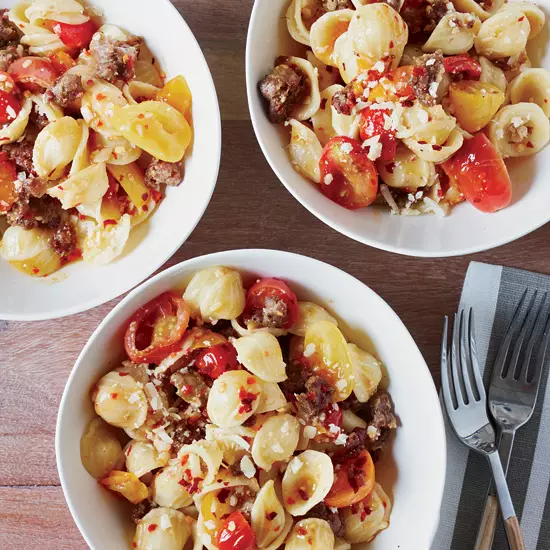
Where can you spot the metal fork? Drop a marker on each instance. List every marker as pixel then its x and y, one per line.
pixel 513 394
pixel 466 405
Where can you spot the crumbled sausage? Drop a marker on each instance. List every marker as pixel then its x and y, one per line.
pixel 423 18
pixel 8 31
pixel 35 187
pixel 191 427
pixel 274 314
pixel 426 76
pixel 30 212
pixel 344 100
pixel 315 400
pixel 9 55
pixel 21 153
pixel 284 87
pixel 191 386
pixel 160 172
pixel 297 376
pixel 142 509
pixel 245 500
pixel 395 4
pixel 67 89
pixel 333 5
pixel 64 240
pixel 38 119
pixel 115 59
pixel 322 511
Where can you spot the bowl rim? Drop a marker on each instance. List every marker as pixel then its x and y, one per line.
pixel 221 258
pixel 215 153
pixel 251 89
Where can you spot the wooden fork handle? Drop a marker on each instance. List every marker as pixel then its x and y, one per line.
pixel 515 538
pixel 488 525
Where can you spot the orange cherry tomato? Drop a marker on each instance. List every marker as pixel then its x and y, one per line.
pixel 156 329
pixel 8 175
pixel 236 534
pixel 479 172
pixel 348 176
pixel 373 122
pixel 354 481
pixel 62 62
pixel 33 73
pixel 74 36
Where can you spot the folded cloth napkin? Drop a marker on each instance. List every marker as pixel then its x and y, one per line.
pixel 494 292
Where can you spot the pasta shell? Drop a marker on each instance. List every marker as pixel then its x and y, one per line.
pixel 310 104
pixel 120 401
pixel 454 34
pixel 307 481
pixel 327 74
pixel 436 153
pixel 261 354
pixel 502 35
pixel 64 11
pixel 216 293
pixel 305 151
pixel 268 516
pixel 210 456
pixel 483 10
pixel 350 63
pixel 407 170
pixel 310 314
pixel 162 528
pixel 101 245
pixel 141 458
pixel 492 74
pixel 100 450
pixel 430 124
pixel 367 372
pixel 233 442
pixel 532 86
pixel 233 399
pixel 166 489
pixel 276 440
pixel 326 30
pixel 271 398
pixel 311 534
pixel 533 13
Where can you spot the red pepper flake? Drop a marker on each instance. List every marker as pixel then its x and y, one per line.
pixel 123 373
pixel 35 270
pixel 101 97
pixel 270 516
pixel 436 147
pixel 114 395
pixel 303 494
pixel 134 544
pixel 109 222
pixel 141 116
pixel 90 82
pixel 147 126
pixel 115 156
pixel 60 187
pixel 247 398
pixel 384 504
pixel 145 197
pixel 530 145
pixel 152 527
pixel 184 459
pixel 422 142
pixel 129 450
pixel 156 195
pixel 390 167
pixel 223 495
pixel 187 390
pixel 290 501
pixel 521 18
pixel 391 44
pixel 81 217
pixel 99 123
pixel 250 380
pixel 302 531
pixel 366 512
pixel 277 528
pixel 145 208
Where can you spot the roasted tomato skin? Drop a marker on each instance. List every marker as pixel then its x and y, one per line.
pixel 216 360
pixel 156 329
pixel 35 74
pixel 271 288
pixel 373 122
pixel 463 64
pixel 74 36
pixel 479 172
pixel 343 493
pixel 348 177
pixel 236 534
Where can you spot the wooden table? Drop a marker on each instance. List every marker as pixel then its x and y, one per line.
pixel 250 208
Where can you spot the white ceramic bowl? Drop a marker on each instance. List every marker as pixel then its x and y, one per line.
pixel 464 231
pixel 413 472
pixel 81 286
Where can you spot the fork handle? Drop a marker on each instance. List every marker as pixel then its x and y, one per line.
pixel 511 524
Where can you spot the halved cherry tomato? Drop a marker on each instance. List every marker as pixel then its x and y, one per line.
pixel 394 86
pixel 273 298
pixel 8 175
pixel 354 481
pixel 156 329
pixel 33 73
pixel 373 123
pixel 74 36
pixel 348 176
pixel 216 360
pixel 236 534
pixel 463 63
pixel 62 62
pixel 7 83
pixel 9 107
pixel 478 170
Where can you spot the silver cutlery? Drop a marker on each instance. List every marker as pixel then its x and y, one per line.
pixel 466 405
pixel 513 392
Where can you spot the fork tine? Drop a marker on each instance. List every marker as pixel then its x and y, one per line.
pixel 541 355
pixel 464 355
pixel 511 372
pixel 531 344
pixel 480 386
pixel 500 361
pixel 455 362
pixel 445 382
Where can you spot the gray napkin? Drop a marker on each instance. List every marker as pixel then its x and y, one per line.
pixel 494 292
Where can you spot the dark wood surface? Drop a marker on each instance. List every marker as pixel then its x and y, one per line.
pixel 250 209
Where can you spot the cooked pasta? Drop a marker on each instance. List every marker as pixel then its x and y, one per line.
pixel 396 119
pixel 226 445
pixel 80 98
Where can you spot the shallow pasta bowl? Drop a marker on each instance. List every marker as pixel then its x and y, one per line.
pixel 412 472
pixel 81 286
pixel 465 230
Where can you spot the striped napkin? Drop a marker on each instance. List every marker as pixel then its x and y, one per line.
pixel 494 292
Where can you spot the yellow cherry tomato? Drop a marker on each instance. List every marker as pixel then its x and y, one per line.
pixel 176 92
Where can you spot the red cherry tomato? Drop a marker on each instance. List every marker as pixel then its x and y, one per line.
pixel 236 534
pixel 33 73
pixel 74 36
pixel 348 176
pixel 215 360
pixel 7 83
pixel 9 107
pixel 272 298
pixel 8 175
pixel 463 63
pixel 156 329
pixel 354 481
pixel 373 122
pixel 479 172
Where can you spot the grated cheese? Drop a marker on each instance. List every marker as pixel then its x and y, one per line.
pixel 310 432
pixel 310 348
pixel 248 467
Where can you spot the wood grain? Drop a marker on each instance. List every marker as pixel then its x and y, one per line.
pixel 36 358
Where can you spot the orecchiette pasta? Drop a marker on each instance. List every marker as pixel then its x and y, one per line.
pixel 325 31
pixel 367 372
pixel 483 10
pixel 533 13
pixel 491 74
pixel 162 528
pixel 276 440
pixel 407 170
pixel 142 457
pixel 311 102
pixel 502 35
pixel 167 489
pixel 431 152
pixel 268 516
pixel 310 314
pixel 100 450
pixel 454 34
pixel 305 151
pixel 532 86
pixel 271 398
pixel 261 354
pixel 64 11
pixel 327 75
pixel 311 534
pixel 209 456
pixel 520 130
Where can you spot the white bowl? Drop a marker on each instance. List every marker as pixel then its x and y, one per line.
pixel 464 231
pixel 81 286
pixel 413 472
